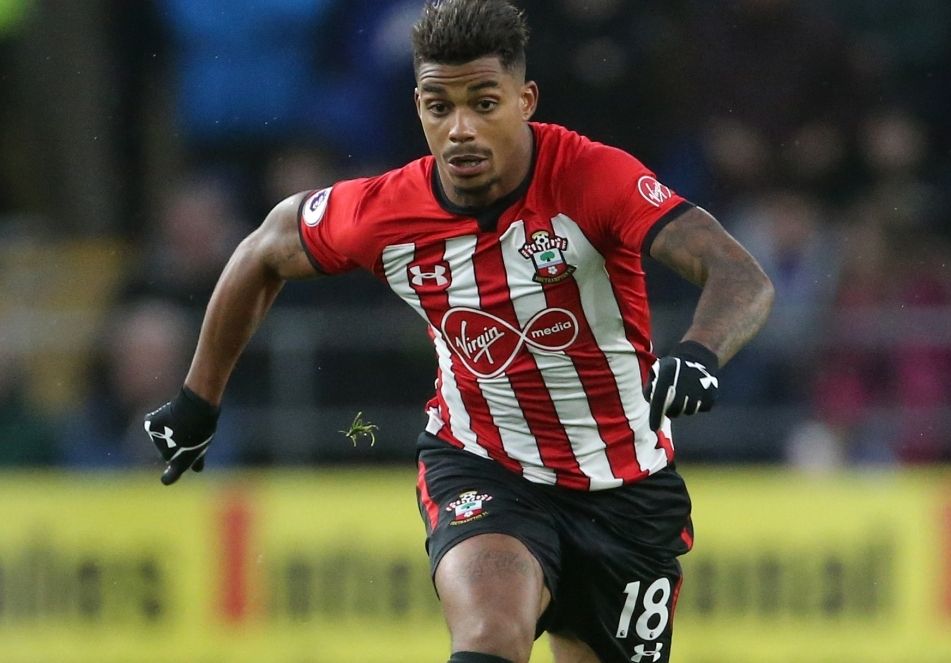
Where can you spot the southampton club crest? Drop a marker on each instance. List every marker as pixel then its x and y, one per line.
pixel 546 253
pixel 469 506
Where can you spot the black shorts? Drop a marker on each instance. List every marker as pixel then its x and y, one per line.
pixel 609 557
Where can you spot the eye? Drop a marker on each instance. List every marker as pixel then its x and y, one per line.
pixel 437 108
pixel 486 105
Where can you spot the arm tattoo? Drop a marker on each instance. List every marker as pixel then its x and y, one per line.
pixel 495 563
pixel 737 295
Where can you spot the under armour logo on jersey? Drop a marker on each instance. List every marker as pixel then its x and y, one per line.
pixel 708 380
pixel 429 276
pixel 641 653
pixel 166 435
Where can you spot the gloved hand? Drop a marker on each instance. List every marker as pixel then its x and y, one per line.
pixel 182 430
pixel 683 382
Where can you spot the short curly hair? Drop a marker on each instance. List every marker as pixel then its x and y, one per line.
pixel 459 31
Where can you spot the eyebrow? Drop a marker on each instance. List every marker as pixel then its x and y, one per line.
pixel 435 88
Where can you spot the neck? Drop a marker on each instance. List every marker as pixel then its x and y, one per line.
pixel 502 185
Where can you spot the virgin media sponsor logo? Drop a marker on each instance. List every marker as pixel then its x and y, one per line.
pixel 487 344
pixel 653 191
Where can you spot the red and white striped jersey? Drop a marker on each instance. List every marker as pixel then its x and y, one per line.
pixel 537 307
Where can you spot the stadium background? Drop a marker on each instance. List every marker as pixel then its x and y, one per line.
pixel 142 139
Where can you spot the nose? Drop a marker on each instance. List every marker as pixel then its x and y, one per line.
pixel 462 129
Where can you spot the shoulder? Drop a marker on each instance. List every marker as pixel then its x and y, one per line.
pixel 579 171
pixel 556 145
pixel 576 162
pixel 363 198
pixel 605 189
pixel 352 221
pixel 562 146
pixel 402 187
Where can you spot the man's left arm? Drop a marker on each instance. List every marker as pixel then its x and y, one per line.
pixel 737 295
pixel 735 300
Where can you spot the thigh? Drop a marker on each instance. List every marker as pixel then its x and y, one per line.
pixel 569 649
pixel 493 548
pixel 493 593
pixel 492 570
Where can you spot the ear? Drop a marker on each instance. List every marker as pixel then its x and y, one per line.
pixel 528 99
pixel 419 109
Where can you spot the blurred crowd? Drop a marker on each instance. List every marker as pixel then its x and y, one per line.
pixel 816 132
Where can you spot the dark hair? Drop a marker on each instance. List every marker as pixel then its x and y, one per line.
pixel 459 31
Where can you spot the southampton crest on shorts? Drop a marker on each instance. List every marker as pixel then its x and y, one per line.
pixel 546 253
pixel 468 507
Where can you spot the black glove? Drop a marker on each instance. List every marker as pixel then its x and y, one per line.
pixel 683 382
pixel 182 430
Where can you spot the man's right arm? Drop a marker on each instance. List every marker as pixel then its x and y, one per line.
pixel 251 280
pixel 183 428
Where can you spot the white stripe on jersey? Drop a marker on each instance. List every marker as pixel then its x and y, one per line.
pixel 396 260
pixel 499 396
pixel 599 304
pixel 557 371
pixel 460 425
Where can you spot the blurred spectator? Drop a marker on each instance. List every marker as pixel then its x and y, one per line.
pixel 141 360
pixel 882 390
pixel 26 435
pixel 815 131
pixel 296 168
pixel 196 229
pixel 772 64
pixel 921 358
pixel 790 234
pixel 904 182
pixel 591 61
pixel 901 50
pixel 368 42
pixel 246 71
pixel 253 74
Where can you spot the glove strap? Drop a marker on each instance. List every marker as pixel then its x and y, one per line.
pixel 693 351
pixel 197 406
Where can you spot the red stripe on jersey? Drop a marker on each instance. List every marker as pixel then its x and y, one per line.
pixel 529 388
pixel 480 419
pixel 663 442
pixel 422 491
pixel 624 267
pixel 600 387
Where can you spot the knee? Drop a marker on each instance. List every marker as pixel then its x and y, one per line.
pixel 498 635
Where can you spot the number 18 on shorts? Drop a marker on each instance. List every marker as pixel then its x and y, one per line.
pixel 646 615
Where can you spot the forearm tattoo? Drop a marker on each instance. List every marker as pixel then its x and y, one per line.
pixel 737 295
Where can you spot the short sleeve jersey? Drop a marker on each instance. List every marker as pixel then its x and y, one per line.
pixel 537 307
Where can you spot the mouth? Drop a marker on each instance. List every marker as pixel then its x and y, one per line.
pixel 467 165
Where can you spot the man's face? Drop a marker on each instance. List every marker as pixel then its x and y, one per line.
pixel 474 116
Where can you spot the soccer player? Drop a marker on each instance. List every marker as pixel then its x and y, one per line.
pixel 546 471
